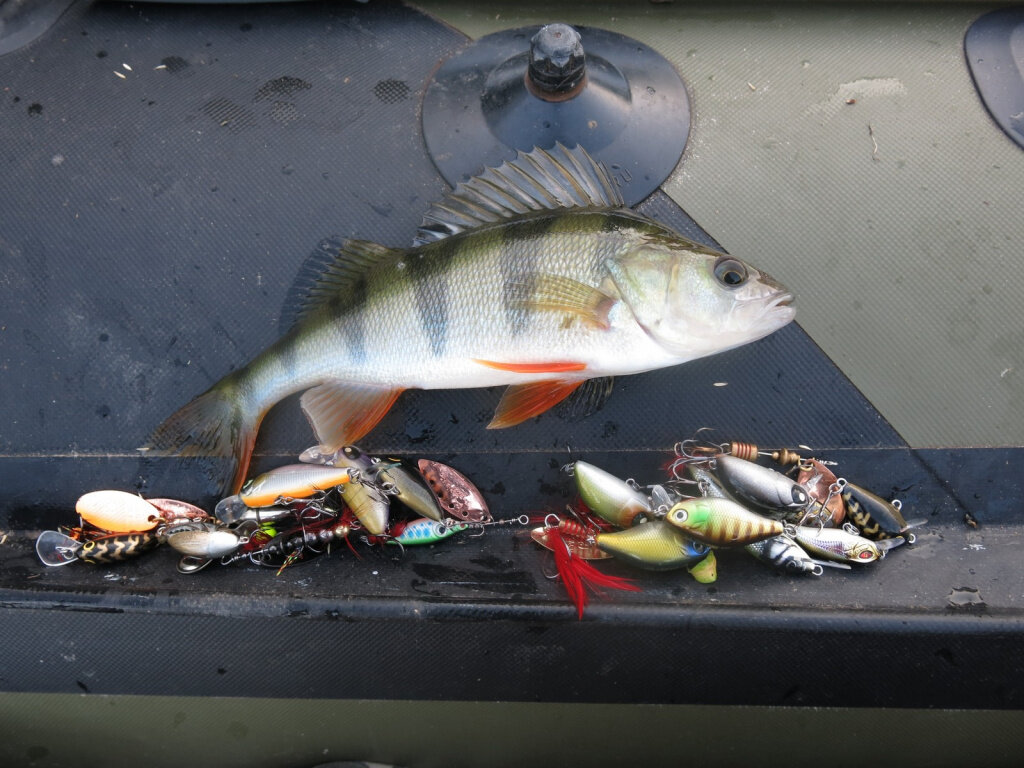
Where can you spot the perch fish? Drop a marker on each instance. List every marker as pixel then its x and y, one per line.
pixel 533 275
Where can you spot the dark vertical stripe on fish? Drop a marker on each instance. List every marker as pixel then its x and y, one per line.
pixel 519 268
pixel 353 327
pixel 430 277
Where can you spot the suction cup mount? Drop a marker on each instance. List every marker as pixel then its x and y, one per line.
pixel 524 88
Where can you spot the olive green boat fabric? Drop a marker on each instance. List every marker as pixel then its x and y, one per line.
pixel 844 148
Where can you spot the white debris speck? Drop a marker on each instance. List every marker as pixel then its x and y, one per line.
pixel 857 90
pixel 1005 371
pixel 126 66
pixel 975 547
pixel 375 573
pixel 160 66
pixel 120 74
pixel 721 384
pixel 57 159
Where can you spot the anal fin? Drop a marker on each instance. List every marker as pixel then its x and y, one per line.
pixel 523 401
pixel 341 412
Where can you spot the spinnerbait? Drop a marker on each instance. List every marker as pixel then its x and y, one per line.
pixel 455 492
pixel 821 483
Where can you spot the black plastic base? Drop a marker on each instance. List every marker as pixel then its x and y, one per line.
pixel 632 113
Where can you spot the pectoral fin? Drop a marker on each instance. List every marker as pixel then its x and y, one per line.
pixel 341 412
pixel 556 293
pixel 522 401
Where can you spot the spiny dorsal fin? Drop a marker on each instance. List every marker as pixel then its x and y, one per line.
pixel 543 179
pixel 333 273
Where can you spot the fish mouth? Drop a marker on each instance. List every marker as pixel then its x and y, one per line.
pixel 780 308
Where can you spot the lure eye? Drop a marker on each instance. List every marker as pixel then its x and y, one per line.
pixel 351 452
pixel 799 495
pixel 865 555
pixel 679 515
pixel 730 272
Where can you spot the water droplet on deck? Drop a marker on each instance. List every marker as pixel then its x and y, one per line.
pixel 965 598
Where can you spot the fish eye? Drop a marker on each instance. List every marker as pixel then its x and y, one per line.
pixel 730 272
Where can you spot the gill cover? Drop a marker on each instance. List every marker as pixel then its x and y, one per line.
pixel 695 301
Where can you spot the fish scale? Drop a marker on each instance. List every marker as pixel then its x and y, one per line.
pixel 533 275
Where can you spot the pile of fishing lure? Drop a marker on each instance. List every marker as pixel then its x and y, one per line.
pixel 283 516
pixel 800 525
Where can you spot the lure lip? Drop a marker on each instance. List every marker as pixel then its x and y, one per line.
pixel 55 548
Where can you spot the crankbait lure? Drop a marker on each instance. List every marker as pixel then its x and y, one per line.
pixel 55 548
pixel 721 522
pixel 760 485
pixel 292 481
pixel 785 554
pixel 117 511
pixel 208 544
pixel 839 544
pixel 365 498
pixel 423 531
pixel 614 500
pixel 875 517
pixel 655 546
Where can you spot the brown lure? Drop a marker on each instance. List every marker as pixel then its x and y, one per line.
pixel 117 548
pixel 876 518
pixel 572 536
pixel 822 487
pixel 172 509
pixel 455 492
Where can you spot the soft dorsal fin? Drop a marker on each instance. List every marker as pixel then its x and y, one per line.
pixel 542 179
pixel 333 273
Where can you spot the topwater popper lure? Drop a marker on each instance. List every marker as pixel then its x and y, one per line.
pixel 532 275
